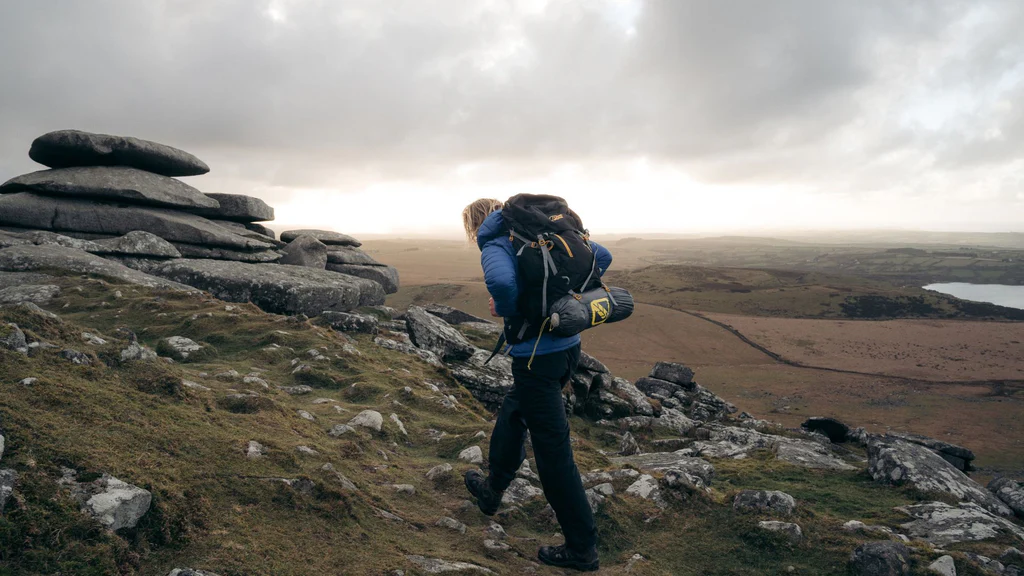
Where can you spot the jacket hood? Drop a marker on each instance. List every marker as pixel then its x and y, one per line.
pixel 493 227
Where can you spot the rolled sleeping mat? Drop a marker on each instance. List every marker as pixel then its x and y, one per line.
pixel 570 316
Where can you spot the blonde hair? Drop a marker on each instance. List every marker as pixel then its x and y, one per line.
pixel 473 216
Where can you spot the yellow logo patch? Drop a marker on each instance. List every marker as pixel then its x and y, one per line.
pixel 557 217
pixel 599 311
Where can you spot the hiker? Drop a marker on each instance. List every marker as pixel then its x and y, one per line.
pixel 541 366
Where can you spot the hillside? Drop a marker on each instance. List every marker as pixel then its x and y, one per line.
pixel 235 453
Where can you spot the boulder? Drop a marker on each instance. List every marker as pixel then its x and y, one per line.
pixel 67 148
pixel 261 230
pixel 178 347
pixel 943 566
pixel 674 373
pixel 305 251
pixel 809 455
pixel 386 276
pixel 351 322
pixel 772 501
pixel 662 461
pixel 958 456
pixel 881 559
pixel 8 478
pixel 95 217
pixel 368 419
pixel 788 529
pixel 834 429
pixel 657 388
pixel 674 420
pixel 406 348
pixel 431 333
pixel 519 491
pixel 451 524
pixel 237 208
pixel 439 472
pixel 451 315
pixel 12 338
pixel 647 487
pixel 896 462
pixel 219 253
pixel 113 503
pixel 32 258
pixel 487 383
pixel 1010 492
pixel 629 446
pixel 350 255
pixel 473 455
pixel 638 402
pixel 325 236
pixel 942 524
pixel 118 184
pixel 588 362
pixel 684 482
pixel 138 243
pixel 278 289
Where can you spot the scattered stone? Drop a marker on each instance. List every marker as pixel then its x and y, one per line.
pixel 674 420
pixel 92 339
pixel 345 482
pixel 495 546
pixel 881 559
pixel 194 385
pixel 69 148
pixel 525 471
pixel 75 357
pixel 307 451
pixel 179 347
pixel 787 529
pixel 325 236
pixel 254 450
pixel 190 572
pixel 519 491
pixel 398 422
pixel 306 415
pixel 351 322
pixel 386 276
pixel 425 355
pixel 646 487
pixel 944 566
pixel 404 489
pixel 684 482
pixel 438 566
pixel 318 400
pixel 942 524
pixel 662 461
pixel 28 381
pixel 136 352
pixel 113 503
pixel 834 429
pixel 256 381
pixel 605 489
pixel 451 524
pixel 439 472
pixel 300 390
pixel 1012 556
pixel 764 501
pixel 305 251
pixel 599 477
pixel 239 208
pixel 368 419
pixel 8 478
pixel 960 457
pixel 473 455
pixel 496 532
pixel 12 338
pixel 629 445
pixel 431 333
pixel 674 373
pixel 897 462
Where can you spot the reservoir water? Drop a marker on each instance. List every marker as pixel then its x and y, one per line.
pixel 1001 294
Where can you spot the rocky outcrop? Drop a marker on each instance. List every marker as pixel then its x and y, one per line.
pixel 67 148
pixel 1010 492
pixel 960 457
pixel 942 524
pixel 897 462
pixel 386 276
pixel 881 559
pixel 325 236
pixel 275 288
pixel 113 503
pixel 237 208
pixel 305 251
pixel 37 258
pixel 662 461
pixel 116 183
pixel 431 333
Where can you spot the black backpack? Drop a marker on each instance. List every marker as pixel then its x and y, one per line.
pixel 554 260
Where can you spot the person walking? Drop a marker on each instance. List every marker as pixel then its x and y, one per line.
pixel 541 367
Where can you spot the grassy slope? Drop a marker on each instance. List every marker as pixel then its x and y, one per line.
pixel 217 510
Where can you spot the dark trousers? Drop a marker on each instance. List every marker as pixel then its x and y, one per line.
pixel 535 404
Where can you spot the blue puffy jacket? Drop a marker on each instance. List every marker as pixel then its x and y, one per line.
pixel 498 259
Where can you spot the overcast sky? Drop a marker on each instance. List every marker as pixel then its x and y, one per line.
pixel 387 116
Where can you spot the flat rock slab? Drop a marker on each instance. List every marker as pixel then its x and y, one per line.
pixel 438 566
pixel 386 276
pixel 67 148
pixel 662 461
pixel 138 243
pixel 28 210
pixel 238 208
pixel 113 183
pixel 942 524
pixel 350 255
pixel 275 288
pixel 896 462
pixel 216 253
pixel 34 293
pixel 325 236
pixel 39 258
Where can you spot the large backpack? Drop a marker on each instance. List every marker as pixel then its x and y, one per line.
pixel 554 260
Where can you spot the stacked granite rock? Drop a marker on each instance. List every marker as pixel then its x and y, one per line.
pixel 118 198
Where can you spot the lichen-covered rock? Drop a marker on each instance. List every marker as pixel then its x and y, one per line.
pixel 351 322
pixel 305 251
pixel 275 288
pixel 788 529
pixel 942 524
pixel 519 491
pixel 629 445
pixel 943 566
pixel 896 462
pixel 438 566
pixel 34 293
pixel 473 455
pixel 440 472
pixel 325 236
pixel 368 419
pixel 67 148
pixel 179 347
pixel 662 461
pixel 809 455
pixel 647 487
pixel 1010 492
pixel 238 208
pixel 960 457
pixel 772 501
pixel 350 255
pixel 425 355
pixel 31 258
pixel 684 482
pixel 138 243
pixel 431 333
pixel 75 357
pixel 386 276
pixel 881 559
pixel 113 503
pixel 116 183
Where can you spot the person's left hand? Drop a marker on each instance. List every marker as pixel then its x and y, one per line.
pixel 493 311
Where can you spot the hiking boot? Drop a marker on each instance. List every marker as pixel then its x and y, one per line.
pixel 562 557
pixel 487 498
